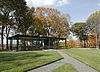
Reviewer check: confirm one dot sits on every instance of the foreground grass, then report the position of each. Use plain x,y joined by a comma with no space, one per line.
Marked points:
90,57
65,68
22,61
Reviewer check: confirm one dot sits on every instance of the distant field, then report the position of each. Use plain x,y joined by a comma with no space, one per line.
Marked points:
22,61
90,57
65,68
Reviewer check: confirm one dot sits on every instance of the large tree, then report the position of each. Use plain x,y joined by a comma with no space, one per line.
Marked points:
15,14
49,21
79,30
93,22
6,16
24,21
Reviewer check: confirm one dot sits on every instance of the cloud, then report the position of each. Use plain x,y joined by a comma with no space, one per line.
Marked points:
31,3
98,4
47,2
63,2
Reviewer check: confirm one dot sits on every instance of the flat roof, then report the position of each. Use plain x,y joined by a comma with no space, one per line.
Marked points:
34,37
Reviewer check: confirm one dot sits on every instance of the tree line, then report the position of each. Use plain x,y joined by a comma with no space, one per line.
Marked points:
17,18
88,32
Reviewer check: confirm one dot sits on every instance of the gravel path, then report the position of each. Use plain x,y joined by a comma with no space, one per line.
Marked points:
50,67
79,66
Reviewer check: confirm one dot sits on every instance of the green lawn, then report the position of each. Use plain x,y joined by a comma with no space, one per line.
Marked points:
88,56
65,68
22,61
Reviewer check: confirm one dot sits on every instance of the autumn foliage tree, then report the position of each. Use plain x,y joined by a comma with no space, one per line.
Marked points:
93,22
49,21
91,40
74,44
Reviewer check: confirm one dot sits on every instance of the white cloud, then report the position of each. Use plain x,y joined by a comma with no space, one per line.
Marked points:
34,2
47,2
63,2
98,4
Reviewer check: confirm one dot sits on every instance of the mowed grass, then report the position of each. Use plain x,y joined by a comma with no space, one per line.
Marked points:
22,61
65,68
90,57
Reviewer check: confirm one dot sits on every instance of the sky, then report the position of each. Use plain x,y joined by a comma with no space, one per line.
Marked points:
79,10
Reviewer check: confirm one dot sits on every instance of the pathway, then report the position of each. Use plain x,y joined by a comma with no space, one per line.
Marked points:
79,66
49,68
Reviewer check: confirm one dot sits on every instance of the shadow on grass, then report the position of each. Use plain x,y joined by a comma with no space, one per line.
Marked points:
20,56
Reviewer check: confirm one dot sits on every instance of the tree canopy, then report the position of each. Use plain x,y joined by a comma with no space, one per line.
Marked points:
93,22
14,16
49,21
79,30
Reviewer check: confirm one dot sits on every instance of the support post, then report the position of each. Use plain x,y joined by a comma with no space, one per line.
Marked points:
49,43
10,44
37,43
65,42
17,43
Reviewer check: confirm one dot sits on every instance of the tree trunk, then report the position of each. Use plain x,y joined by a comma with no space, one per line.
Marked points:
7,42
7,35
97,41
6,39
84,43
2,39
2,36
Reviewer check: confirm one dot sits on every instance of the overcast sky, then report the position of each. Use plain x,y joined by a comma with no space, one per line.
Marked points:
79,10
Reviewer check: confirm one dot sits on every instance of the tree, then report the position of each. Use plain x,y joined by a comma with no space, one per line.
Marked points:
73,43
23,18
49,21
91,41
6,14
93,22
79,30
2,29
24,22
15,14
64,25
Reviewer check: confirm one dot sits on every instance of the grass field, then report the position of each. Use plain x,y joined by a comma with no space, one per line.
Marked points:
22,61
65,68
90,57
